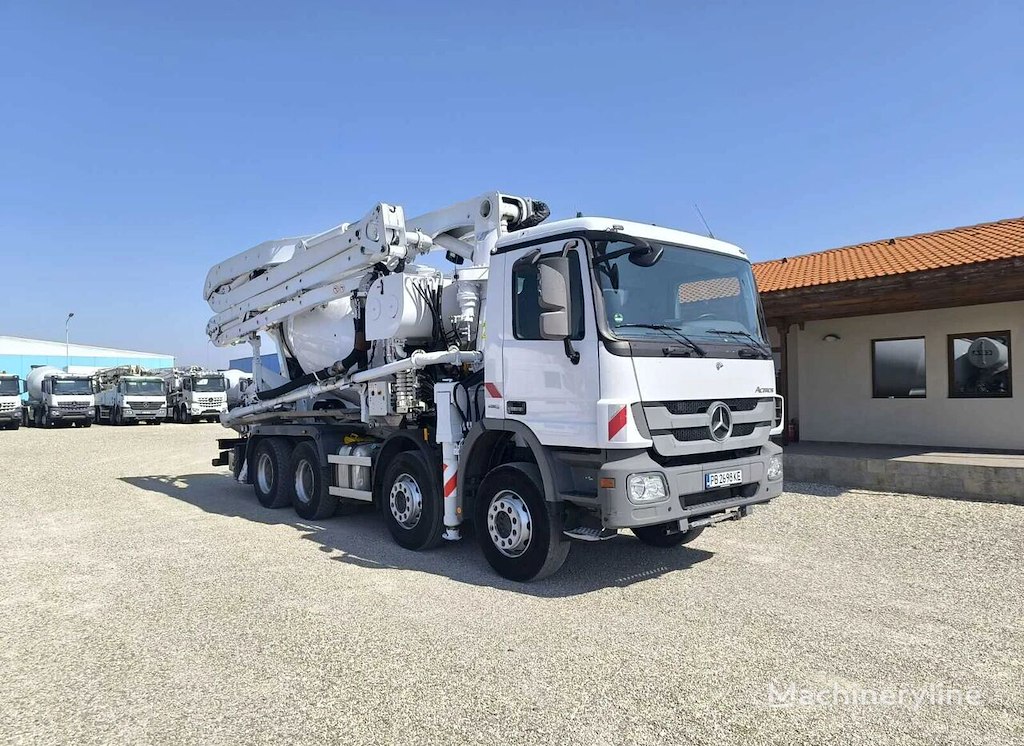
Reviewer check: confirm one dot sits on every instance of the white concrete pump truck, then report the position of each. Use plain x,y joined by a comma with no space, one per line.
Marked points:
128,394
566,380
194,393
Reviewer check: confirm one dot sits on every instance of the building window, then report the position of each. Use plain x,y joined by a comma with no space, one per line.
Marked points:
898,368
979,364
526,299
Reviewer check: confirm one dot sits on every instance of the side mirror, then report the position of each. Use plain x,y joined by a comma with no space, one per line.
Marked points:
646,257
553,276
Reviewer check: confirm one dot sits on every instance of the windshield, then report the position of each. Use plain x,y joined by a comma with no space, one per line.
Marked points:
153,387
688,295
213,383
9,387
75,386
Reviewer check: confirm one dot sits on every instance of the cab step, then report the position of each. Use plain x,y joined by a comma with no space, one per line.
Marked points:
586,533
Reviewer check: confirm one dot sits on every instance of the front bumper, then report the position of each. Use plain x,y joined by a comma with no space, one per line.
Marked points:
687,498
71,415
144,414
10,415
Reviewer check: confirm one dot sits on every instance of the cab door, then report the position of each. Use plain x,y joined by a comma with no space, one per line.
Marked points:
543,387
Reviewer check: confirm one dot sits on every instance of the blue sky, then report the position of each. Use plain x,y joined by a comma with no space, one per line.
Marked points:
142,142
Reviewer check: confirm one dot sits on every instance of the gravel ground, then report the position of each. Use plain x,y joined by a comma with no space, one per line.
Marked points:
148,598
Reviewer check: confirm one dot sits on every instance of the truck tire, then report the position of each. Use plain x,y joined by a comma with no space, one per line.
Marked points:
270,473
310,480
118,418
660,535
411,502
519,531
87,423
15,424
186,415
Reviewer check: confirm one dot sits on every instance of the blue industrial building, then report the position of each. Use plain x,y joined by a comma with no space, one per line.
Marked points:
18,355
270,362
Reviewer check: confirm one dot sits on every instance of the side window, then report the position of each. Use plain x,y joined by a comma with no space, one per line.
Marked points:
526,299
979,365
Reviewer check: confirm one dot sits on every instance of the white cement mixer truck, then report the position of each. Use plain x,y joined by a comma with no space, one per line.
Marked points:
566,380
10,401
128,394
59,398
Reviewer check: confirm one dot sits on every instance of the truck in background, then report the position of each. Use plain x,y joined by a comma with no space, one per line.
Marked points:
566,381
56,397
238,383
128,394
194,393
10,401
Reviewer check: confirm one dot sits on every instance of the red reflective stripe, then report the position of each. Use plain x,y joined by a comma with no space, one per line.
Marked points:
616,423
449,486
493,391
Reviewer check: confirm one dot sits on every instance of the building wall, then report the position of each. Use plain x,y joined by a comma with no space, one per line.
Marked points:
270,362
835,389
22,364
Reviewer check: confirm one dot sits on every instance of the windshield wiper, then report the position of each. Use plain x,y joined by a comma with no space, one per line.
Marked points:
669,331
754,344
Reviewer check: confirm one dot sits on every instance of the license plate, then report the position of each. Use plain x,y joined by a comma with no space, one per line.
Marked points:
722,479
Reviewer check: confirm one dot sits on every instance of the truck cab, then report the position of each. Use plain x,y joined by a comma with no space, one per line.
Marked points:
645,375
133,399
10,401
200,396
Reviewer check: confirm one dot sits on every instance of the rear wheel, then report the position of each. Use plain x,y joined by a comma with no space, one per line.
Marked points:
310,496
270,473
519,531
411,501
186,415
663,536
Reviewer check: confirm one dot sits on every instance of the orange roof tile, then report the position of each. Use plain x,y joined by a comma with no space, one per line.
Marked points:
970,244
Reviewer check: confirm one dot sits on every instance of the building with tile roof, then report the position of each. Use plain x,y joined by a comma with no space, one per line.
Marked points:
905,340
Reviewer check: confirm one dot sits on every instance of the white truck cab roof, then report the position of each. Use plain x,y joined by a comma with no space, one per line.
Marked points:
626,227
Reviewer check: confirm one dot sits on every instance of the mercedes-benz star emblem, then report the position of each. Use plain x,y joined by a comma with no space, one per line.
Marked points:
721,421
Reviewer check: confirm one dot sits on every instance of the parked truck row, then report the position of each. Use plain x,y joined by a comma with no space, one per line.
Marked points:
121,395
565,381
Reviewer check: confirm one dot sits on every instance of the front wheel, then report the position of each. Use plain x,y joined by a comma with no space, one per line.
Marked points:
411,502
519,531
662,535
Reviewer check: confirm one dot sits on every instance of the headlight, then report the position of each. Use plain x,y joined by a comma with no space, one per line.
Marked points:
775,468
646,488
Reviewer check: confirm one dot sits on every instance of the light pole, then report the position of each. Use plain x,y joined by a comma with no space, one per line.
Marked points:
67,342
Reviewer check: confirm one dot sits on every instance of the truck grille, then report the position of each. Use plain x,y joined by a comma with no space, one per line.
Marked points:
8,406
687,434
146,406
682,428
211,402
74,405
700,406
